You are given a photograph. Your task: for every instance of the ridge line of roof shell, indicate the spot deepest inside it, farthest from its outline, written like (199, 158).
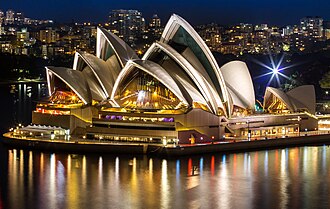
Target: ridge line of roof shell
(170, 30)
(123, 52)
(74, 79)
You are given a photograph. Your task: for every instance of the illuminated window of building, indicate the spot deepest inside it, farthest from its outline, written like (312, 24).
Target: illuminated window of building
(240, 112)
(64, 97)
(275, 105)
(140, 90)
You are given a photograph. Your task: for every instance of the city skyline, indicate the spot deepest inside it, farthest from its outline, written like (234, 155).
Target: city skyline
(223, 12)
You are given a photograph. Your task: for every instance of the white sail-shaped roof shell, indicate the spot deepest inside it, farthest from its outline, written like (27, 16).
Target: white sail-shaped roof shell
(103, 73)
(100, 72)
(194, 94)
(170, 31)
(123, 52)
(204, 87)
(305, 98)
(239, 84)
(181, 61)
(298, 99)
(154, 70)
(280, 95)
(72, 78)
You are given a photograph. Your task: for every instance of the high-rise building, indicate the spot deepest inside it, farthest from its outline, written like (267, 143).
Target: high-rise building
(287, 30)
(127, 24)
(246, 28)
(155, 22)
(48, 36)
(311, 26)
(23, 35)
(2, 17)
(19, 18)
(10, 17)
(155, 26)
(326, 29)
(211, 35)
(262, 27)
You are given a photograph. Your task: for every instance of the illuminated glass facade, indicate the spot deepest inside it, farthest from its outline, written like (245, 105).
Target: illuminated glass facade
(142, 91)
(275, 105)
(64, 97)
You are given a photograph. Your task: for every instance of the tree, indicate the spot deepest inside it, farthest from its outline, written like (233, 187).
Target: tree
(325, 81)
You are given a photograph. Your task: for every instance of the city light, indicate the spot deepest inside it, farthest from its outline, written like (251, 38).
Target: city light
(275, 70)
(141, 96)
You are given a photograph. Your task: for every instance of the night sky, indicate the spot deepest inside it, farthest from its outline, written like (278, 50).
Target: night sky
(280, 12)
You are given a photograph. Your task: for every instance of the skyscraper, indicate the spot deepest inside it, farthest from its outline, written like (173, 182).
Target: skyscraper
(326, 30)
(2, 17)
(155, 26)
(48, 35)
(287, 30)
(127, 24)
(155, 22)
(19, 18)
(22, 36)
(10, 17)
(311, 26)
(211, 35)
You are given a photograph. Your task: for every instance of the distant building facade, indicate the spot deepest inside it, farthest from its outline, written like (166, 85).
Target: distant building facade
(48, 35)
(127, 24)
(10, 17)
(2, 17)
(326, 29)
(211, 35)
(312, 27)
(155, 26)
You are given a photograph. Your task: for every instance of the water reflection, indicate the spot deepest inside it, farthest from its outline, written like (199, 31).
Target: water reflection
(19, 100)
(284, 178)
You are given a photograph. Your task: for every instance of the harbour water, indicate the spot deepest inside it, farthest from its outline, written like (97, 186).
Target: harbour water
(296, 177)
(283, 178)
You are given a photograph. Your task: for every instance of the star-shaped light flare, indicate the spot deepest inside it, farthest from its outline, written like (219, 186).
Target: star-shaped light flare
(275, 70)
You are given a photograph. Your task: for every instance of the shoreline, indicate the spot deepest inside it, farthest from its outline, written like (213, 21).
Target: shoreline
(9, 82)
(74, 146)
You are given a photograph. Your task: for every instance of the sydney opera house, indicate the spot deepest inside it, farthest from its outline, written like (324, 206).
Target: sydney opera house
(175, 91)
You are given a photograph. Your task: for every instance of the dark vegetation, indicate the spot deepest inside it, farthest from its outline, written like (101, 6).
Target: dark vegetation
(20, 67)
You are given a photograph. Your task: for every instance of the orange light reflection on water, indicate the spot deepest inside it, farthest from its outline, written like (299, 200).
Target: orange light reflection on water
(242, 180)
(212, 165)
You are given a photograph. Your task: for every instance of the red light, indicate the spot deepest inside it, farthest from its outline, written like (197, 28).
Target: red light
(212, 166)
